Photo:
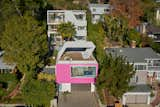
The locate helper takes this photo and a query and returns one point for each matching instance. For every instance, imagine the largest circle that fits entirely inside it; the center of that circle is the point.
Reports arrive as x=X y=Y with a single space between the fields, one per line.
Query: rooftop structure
x=77 y=51
x=76 y=65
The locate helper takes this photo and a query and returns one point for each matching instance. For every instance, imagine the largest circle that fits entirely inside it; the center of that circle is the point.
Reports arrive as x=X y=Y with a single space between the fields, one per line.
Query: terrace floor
x=74 y=56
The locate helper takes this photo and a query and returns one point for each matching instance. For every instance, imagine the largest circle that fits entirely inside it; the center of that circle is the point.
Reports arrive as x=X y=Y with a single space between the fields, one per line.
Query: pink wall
x=63 y=74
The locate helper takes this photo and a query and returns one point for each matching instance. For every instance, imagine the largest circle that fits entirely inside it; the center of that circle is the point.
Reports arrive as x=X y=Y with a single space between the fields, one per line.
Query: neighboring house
x=76 y=67
x=56 y=17
x=4 y=67
x=97 y=11
x=150 y=30
x=146 y=62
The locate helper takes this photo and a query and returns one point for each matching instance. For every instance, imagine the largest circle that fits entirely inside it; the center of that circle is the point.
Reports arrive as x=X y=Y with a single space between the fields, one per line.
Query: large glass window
x=79 y=71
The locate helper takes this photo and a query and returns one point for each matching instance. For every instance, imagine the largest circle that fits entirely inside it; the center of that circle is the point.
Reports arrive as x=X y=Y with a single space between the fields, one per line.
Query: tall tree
x=115 y=27
x=67 y=30
x=130 y=9
x=115 y=76
x=24 y=42
x=148 y=7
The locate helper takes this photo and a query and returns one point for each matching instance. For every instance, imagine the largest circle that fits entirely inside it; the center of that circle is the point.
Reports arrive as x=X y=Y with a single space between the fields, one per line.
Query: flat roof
x=134 y=54
x=67 y=56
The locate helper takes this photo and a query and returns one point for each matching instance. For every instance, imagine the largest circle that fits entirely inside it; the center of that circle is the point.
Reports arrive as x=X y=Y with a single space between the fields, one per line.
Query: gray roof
x=152 y=29
x=140 y=88
x=134 y=54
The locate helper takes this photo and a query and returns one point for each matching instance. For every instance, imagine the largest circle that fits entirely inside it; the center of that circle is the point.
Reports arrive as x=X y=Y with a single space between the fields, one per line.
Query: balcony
x=55 y=18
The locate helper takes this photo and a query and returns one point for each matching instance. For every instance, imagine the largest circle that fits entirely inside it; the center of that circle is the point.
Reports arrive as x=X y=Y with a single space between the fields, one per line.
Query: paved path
x=77 y=99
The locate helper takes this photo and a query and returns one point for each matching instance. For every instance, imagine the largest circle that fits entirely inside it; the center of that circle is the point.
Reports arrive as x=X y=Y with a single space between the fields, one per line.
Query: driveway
x=77 y=99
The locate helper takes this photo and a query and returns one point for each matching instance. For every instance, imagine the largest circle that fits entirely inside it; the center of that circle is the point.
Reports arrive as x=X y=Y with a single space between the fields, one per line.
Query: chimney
x=133 y=44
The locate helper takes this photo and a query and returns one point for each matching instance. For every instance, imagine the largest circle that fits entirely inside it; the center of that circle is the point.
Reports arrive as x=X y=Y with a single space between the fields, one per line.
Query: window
x=83 y=71
x=79 y=16
x=140 y=67
x=81 y=27
x=106 y=10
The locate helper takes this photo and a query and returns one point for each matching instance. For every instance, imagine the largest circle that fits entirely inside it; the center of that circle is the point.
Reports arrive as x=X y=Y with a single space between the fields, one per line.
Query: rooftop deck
x=75 y=56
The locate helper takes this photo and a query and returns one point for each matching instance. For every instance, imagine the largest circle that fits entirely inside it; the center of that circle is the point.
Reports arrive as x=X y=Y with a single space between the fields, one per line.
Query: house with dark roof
x=150 y=30
x=146 y=62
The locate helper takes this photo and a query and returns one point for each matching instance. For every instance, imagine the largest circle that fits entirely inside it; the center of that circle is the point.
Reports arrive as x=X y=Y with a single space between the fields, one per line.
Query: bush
x=45 y=76
x=38 y=93
x=8 y=83
x=134 y=35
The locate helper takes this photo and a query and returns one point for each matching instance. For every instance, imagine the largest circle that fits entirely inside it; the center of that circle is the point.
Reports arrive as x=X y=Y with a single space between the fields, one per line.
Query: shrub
x=45 y=76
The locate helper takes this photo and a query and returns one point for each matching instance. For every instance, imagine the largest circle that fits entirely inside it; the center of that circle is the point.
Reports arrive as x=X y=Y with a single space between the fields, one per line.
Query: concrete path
x=77 y=99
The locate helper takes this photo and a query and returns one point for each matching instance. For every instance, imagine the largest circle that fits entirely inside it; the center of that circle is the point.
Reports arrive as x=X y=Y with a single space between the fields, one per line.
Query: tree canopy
x=130 y=9
x=115 y=76
x=115 y=27
x=24 y=41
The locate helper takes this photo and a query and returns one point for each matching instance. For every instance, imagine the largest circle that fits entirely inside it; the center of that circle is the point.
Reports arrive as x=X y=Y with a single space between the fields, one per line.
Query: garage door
x=80 y=87
x=136 y=99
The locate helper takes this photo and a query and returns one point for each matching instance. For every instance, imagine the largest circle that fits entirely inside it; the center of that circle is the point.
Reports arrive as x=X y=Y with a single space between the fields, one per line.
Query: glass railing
x=154 y=68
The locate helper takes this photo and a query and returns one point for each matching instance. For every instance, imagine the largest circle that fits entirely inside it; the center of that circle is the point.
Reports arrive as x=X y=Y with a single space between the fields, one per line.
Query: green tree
x=134 y=35
x=38 y=93
x=115 y=76
x=67 y=30
x=116 y=27
x=25 y=44
x=148 y=7
x=155 y=46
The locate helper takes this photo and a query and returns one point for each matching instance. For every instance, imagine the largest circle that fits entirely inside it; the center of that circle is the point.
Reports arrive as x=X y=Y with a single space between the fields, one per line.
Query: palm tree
x=67 y=30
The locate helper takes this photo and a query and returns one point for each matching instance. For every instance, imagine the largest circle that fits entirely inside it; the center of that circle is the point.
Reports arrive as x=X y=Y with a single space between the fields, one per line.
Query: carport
x=140 y=94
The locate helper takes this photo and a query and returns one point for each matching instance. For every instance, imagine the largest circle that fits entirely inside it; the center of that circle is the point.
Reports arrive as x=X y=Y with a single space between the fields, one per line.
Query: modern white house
x=97 y=10
x=146 y=62
x=56 y=17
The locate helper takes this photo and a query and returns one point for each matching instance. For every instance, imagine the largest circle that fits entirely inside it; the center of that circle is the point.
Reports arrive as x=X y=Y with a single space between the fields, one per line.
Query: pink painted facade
x=63 y=74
